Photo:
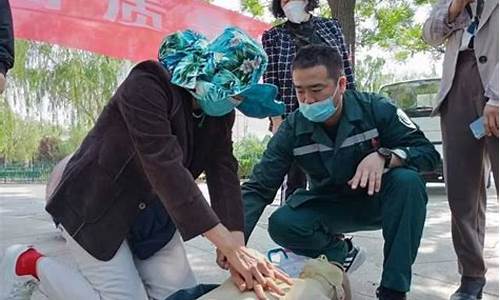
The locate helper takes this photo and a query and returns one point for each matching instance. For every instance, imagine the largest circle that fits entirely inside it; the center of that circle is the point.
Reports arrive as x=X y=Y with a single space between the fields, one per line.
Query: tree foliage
x=248 y=152
x=50 y=149
x=389 y=24
x=20 y=137
x=370 y=76
x=254 y=7
x=51 y=84
x=65 y=83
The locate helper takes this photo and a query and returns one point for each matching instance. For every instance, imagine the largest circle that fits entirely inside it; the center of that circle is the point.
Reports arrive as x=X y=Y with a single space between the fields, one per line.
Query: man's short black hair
x=319 y=55
x=278 y=12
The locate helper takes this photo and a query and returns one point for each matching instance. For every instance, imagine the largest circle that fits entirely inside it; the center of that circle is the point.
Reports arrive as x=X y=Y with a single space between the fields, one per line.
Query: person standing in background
x=469 y=90
x=281 y=43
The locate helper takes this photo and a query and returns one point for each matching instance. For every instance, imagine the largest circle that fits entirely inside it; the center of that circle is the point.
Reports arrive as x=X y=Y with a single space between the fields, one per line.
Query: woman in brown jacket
x=168 y=122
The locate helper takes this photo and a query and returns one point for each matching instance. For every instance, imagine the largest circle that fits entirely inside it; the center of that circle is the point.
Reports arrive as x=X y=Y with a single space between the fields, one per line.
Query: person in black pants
x=6 y=42
x=281 y=43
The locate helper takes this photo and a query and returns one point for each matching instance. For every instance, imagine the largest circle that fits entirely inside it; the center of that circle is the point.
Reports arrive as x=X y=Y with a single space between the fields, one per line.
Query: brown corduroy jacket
x=147 y=143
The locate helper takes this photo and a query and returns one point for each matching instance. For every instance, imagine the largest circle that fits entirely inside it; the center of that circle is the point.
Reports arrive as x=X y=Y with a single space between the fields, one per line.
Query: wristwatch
x=386 y=154
x=400 y=153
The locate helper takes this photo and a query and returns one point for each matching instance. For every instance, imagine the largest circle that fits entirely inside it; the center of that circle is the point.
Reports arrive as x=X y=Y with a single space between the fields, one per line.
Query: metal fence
x=33 y=173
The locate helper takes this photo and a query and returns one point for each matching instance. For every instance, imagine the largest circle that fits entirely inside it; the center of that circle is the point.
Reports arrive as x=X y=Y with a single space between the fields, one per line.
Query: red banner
x=129 y=29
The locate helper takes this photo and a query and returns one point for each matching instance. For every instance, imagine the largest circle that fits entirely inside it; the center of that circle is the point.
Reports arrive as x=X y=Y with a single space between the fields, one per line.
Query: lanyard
x=475 y=24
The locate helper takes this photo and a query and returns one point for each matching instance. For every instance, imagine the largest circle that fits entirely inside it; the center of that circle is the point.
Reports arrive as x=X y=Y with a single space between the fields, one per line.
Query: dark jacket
x=146 y=144
x=6 y=37
x=280 y=47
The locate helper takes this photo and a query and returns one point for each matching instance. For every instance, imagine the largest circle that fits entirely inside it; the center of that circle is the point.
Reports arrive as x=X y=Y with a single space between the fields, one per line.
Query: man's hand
x=369 y=173
x=2 y=82
x=456 y=8
x=490 y=114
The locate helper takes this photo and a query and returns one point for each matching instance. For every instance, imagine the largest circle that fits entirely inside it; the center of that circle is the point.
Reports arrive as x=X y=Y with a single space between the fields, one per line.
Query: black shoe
x=390 y=294
x=471 y=288
x=356 y=256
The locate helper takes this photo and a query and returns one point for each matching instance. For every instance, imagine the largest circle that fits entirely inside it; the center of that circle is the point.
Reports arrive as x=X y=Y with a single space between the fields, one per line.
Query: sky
x=229 y=4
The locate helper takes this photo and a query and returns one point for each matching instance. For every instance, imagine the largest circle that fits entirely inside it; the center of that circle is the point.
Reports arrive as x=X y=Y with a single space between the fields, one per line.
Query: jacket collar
x=319 y=26
x=489 y=7
x=323 y=31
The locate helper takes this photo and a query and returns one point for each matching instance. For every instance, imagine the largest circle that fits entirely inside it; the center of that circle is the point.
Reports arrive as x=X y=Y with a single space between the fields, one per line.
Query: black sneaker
x=356 y=256
x=389 y=294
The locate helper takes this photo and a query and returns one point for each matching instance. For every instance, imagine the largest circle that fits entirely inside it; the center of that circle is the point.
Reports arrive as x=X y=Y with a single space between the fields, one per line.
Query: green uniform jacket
x=368 y=121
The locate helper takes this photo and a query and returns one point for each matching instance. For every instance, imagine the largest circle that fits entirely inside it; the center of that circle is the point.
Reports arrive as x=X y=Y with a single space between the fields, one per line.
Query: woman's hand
x=248 y=271
x=221 y=259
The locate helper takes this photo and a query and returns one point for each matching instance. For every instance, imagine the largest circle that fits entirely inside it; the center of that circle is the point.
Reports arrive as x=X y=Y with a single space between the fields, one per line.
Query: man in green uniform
x=362 y=157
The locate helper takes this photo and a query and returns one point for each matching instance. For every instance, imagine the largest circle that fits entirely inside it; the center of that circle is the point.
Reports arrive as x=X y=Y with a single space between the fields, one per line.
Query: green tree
x=72 y=84
x=20 y=142
x=248 y=152
x=254 y=7
x=343 y=10
x=389 y=24
x=69 y=87
x=7 y=123
x=370 y=75
x=26 y=140
x=72 y=139
x=49 y=150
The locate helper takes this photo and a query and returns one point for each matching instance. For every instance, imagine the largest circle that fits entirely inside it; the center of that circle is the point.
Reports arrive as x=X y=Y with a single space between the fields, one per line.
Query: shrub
x=248 y=152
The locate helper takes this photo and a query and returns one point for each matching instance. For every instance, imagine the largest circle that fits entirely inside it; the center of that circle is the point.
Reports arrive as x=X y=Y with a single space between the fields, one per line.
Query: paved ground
x=23 y=220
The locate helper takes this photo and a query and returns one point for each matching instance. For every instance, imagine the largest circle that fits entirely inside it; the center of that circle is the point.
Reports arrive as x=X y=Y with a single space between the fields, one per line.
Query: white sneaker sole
x=8 y=268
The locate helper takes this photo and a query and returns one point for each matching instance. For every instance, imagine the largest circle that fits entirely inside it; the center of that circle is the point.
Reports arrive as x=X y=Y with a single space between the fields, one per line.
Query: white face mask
x=295 y=11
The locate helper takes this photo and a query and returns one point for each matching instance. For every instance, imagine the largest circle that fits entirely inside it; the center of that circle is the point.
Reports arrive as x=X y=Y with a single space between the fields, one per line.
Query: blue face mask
x=214 y=102
x=319 y=111
x=217 y=108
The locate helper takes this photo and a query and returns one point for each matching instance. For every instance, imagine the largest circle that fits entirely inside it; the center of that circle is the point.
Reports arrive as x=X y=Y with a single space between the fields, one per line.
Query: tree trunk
x=343 y=10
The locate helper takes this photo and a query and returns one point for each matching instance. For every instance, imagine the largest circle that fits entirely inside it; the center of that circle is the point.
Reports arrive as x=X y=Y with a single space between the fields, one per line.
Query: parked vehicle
x=416 y=98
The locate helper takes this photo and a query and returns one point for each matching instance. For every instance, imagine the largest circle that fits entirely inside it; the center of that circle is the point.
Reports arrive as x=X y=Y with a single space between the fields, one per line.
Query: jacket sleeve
x=437 y=29
x=491 y=90
x=397 y=131
x=351 y=83
x=267 y=176
x=145 y=106
x=222 y=178
x=6 y=37
x=271 y=74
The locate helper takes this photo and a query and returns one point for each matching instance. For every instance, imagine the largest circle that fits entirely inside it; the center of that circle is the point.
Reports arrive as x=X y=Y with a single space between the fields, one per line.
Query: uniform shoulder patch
x=404 y=119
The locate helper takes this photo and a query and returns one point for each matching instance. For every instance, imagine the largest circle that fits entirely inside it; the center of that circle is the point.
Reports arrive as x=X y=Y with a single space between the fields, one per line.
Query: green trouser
x=312 y=228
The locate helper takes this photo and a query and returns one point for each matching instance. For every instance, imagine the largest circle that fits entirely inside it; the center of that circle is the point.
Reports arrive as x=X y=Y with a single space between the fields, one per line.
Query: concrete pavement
x=23 y=220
